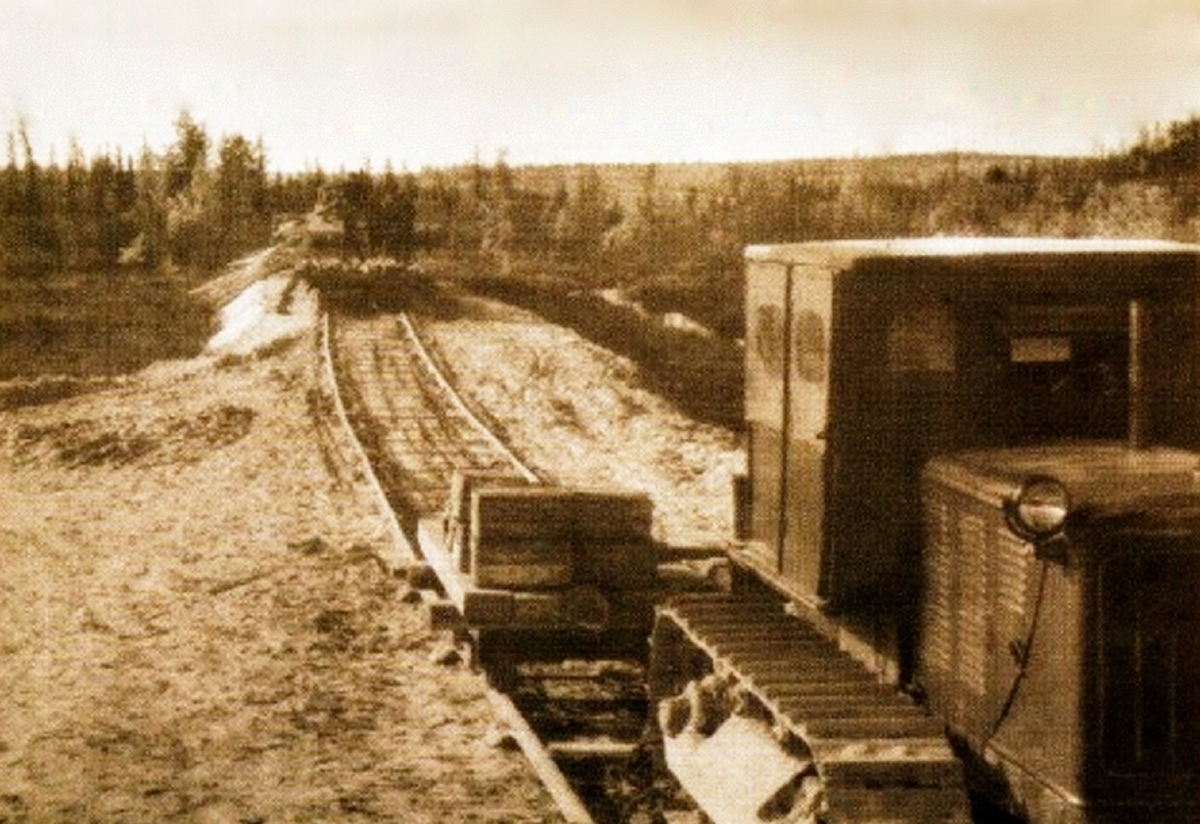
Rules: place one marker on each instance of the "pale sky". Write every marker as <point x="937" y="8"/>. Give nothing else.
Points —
<point x="438" y="82"/>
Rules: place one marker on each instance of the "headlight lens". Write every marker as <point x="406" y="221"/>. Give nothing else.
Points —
<point x="1039" y="508"/>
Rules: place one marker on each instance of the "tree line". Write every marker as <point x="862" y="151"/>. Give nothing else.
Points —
<point x="200" y="202"/>
<point x="674" y="235"/>
<point x="197" y="203"/>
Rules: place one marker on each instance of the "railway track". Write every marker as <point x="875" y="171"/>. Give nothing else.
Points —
<point x="415" y="427"/>
<point x="580" y="724"/>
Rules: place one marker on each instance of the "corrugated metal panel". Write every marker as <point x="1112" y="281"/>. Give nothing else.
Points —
<point x="975" y="606"/>
<point x="1013" y="560"/>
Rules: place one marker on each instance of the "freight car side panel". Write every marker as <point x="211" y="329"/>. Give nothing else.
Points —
<point x="788" y="310"/>
<point x="807" y="421"/>
<point x="766" y="348"/>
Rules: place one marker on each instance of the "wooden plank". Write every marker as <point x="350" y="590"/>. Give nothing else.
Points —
<point x="591" y="749"/>
<point x="443" y="614"/>
<point x="628" y="564"/>
<point x="531" y="610"/>
<point x="603" y="514"/>
<point x="522" y="576"/>
<point x="548" y="510"/>
<point x="458" y="505"/>
<point x="532" y="512"/>
<point x="487" y="607"/>
<point x="478" y="607"/>
<point x="521" y="563"/>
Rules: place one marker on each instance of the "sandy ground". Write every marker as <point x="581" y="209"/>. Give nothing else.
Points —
<point x="195" y="625"/>
<point x="581" y="413"/>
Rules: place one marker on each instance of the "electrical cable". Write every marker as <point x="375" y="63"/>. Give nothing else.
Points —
<point x="1023" y="659"/>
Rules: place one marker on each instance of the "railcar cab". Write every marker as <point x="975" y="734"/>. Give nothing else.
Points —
<point x="976" y="462"/>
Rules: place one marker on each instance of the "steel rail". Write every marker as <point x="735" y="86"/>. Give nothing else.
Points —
<point x="456" y="399"/>
<point x="403" y="549"/>
<point x="534" y="749"/>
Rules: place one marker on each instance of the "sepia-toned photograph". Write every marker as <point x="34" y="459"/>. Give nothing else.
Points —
<point x="600" y="412"/>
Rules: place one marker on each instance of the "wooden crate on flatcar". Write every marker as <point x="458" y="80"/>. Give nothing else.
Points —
<point x="541" y="537"/>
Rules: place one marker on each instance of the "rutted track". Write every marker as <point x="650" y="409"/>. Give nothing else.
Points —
<point x="415" y="431"/>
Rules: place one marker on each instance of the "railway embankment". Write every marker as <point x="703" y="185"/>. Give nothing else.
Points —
<point x="194" y="622"/>
<point x="198" y="619"/>
<point x="699" y="371"/>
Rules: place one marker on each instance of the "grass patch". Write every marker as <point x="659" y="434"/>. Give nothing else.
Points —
<point x="97" y="324"/>
<point x="47" y="389"/>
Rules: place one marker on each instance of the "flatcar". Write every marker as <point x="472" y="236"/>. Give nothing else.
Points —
<point x="969" y="560"/>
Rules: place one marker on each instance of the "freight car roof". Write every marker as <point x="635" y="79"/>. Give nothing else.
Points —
<point x="844" y="251"/>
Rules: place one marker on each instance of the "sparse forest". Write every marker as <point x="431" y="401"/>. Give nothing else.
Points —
<point x="670" y="234"/>
<point x="192" y="205"/>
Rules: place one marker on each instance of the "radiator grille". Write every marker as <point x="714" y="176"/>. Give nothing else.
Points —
<point x="974" y="603"/>
<point x="937" y="635"/>
<point x="1012" y="576"/>
<point x="973" y="613"/>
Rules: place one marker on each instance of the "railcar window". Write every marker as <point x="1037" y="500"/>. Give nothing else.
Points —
<point x="811" y="349"/>
<point x="1063" y="372"/>
<point x="971" y="372"/>
<point x="768" y="335"/>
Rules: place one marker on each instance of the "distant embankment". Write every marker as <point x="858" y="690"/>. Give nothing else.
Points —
<point x="701" y="373"/>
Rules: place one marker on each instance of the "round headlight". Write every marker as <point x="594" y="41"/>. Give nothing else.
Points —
<point x="1039" y="508"/>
